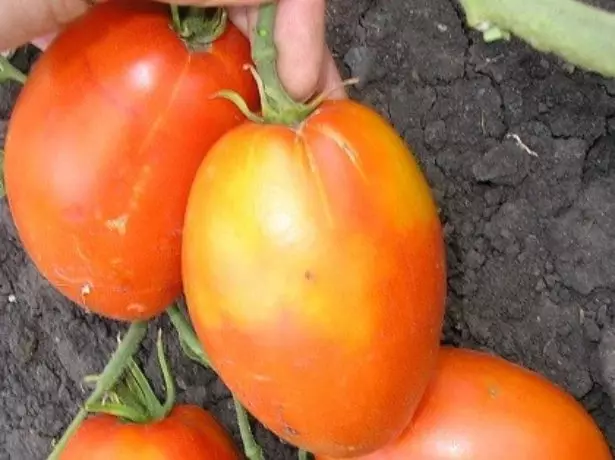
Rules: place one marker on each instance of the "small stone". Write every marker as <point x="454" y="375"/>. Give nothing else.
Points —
<point x="592" y="331"/>
<point x="505" y="164"/>
<point x="435" y="134"/>
<point x="474" y="259"/>
<point x="541" y="285"/>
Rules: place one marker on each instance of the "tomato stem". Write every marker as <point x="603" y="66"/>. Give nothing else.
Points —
<point x="302" y="455"/>
<point x="198" y="27"/>
<point x="9" y="72"/>
<point x="187" y="337"/>
<point x="112" y="372"/>
<point x="251" y="448"/>
<point x="277" y="105"/>
<point x="583" y="35"/>
<point x="133" y="398"/>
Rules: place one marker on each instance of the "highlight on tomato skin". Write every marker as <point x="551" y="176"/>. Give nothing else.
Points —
<point x="188" y="432"/>
<point x="315" y="276"/>
<point x="482" y="407"/>
<point x="103" y="144"/>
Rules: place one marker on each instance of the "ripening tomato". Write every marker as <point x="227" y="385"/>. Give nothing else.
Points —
<point x="102" y="148"/>
<point x="188" y="432"/>
<point x="314" y="272"/>
<point x="481" y="407"/>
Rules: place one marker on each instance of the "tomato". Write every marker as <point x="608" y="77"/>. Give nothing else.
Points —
<point x="481" y="407"/>
<point x="102" y="148"/>
<point x="188" y="432"/>
<point x="314" y="272"/>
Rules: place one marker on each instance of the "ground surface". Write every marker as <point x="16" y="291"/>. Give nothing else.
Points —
<point x="530" y="230"/>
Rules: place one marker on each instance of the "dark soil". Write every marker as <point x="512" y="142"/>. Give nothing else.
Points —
<point x="520" y="150"/>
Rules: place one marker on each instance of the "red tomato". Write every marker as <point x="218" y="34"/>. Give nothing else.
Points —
<point x="481" y="407"/>
<point x="314" y="271"/>
<point x="187" y="433"/>
<point x="102" y="148"/>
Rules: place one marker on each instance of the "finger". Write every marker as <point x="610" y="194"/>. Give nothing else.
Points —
<point x="239" y="16"/>
<point x="22" y="20"/>
<point x="300" y="40"/>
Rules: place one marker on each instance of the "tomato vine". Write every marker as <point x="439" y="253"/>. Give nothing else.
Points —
<point x="106" y="380"/>
<point x="582" y="34"/>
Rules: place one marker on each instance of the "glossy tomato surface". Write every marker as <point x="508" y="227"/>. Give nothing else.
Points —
<point x="481" y="407"/>
<point x="315" y="276"/>
<point x="188" y="433"/>
<point x="102" y="148"/>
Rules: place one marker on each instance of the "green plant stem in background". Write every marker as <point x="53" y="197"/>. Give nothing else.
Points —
<point x="113" y="371"/>
<point x="9" y="72"/>
<point x="252" y="450"/>
<point x="187" y="337"/>
<point x="579" y="33"/>
<point x="2" y="189"/>
<point x="193" y="349"/>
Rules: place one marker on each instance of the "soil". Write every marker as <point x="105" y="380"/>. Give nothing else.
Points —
<point x="520" y="150"/>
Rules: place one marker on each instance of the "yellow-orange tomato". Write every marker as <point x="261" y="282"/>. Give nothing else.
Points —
<point x="481" y="407"/>
<point x="187" y="433"/>
<point x="314" y="271"/>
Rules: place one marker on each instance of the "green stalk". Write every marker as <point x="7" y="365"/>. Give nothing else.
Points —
<point x="277" y="105"/>
<point x="251" y="448"/>
<point x="9" y="72"/>
<point x="187" y="337"/>
<point x="579" y="33"/>
<point x="302" y="455"/>
<point x="112" y="372"/>
<point x="133" y="398"/>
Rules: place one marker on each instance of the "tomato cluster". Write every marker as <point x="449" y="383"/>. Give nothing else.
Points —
<point x="305" y="239"/>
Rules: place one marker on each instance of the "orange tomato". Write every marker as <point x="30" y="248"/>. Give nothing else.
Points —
<point x="314" y="271"/>
<point x="102" y="148"/>
<point x="187" y="433"/>
<point x="481" y="407"/>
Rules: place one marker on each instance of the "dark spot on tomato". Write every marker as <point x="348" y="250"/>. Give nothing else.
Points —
<point x="309" y="276"/>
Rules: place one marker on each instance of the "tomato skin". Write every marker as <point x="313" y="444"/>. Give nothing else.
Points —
<point x="188" y="432"/>
<point x="103" y="145"/>
<point x="314" y="273"/>
<point x="481" y="407"/>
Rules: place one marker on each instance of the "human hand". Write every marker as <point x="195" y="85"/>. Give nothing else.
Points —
<point x="305" y="63"/>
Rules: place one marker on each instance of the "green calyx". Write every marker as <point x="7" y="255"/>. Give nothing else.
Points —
<point x="579" y="33"/>
<point x="198" y="27"/>
<point x="278" y="107"/>
<point x="9" y="72"/>
<point x="132" y="398"/>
